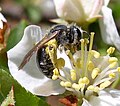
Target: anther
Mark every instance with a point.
(110, 50)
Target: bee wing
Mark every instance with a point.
(36, 47)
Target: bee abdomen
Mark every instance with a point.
(44, 63)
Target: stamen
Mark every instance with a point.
(118, 69)
(69, 54)
(51, 49)
(82, 56)
(110, 50)
(96, 89)
(90, 66)
(105, 84)
(112, 59)
(113, 64)
(95, 53)
(67, 84)
(76, 86)
(95, 73)
(112, 75)
(73, 74)
(60, 63)
(89, 53)
(85, 80)
(54, 77)
(55, 74)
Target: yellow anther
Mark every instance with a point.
(112, 65)
(95, 53)
(78, 63)
(112, 59)
(90, 66)
(73, 74)
(118, 69)
(112, 75)
(80, 81)
(82, 40)
(54, 77)
(96, 89)
(51, 49)
(81, 85)
(86, 41)
(110, 50)
(60, 63)
(105, 84)
(76, 86)
(55, 71)
(85, 80)
(52, 42)
(91, 88)
(95, 73)
(67, 84)
(62, 83)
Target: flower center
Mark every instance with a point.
(90, 72)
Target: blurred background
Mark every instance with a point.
(37, 11)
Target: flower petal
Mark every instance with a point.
(69, 10)
(106, 98)
(108, 28)
(30, 76)
(86, 103)
(2, 18)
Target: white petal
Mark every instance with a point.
(1, 24)
(86, 103)
(69, 10)
(108, 28)
(106, 2)
(106, 98)
(2, 18)
(30, 76)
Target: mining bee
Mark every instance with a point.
(67, 38)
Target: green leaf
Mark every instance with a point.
(3, 61)
(22, 97)
(16, 34)
(9, 101)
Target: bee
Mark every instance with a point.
(67, 37)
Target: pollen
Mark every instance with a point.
(118, 69)
(110, 50)
(105, 84)
(112, 59)
(96, 89)
(95, 73)
(113, 64)
(90, 66)
(54, 77)
(73, 74)
(95, 53)
(112, 75)
(76, 86)
(67, 84)
(60, 63)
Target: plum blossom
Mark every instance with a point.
(85, 74)
(78, 11)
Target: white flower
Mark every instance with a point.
(78, 11)
(85, 74)
(2, 19)
(84, 12)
